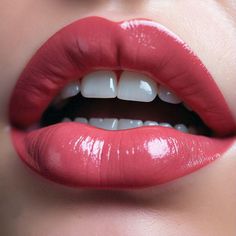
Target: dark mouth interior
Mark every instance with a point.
(157, 110)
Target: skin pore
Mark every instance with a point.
(203, 203)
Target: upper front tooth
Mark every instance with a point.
(70, 90)
(128, 124)
(108, 124)
(168, 96)
(136, 87)
(100, 84)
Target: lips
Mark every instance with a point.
(80, 155)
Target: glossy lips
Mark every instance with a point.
(80, 155)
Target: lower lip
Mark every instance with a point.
(79, 155)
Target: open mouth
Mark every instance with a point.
(117, 105)
(121, 100)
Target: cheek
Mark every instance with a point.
(213, 39)
(24, 26)
(22, 31)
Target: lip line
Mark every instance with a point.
(79, 155)
(229, 124)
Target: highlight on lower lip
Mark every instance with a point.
(79, 155)
(83, 156)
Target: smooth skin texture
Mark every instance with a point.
(203, 203)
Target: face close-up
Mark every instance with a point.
(117, 117)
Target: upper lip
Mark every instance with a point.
(59, 61)
(140, 45)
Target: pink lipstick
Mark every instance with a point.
(79, 155)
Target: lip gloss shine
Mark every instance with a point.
(79, 155)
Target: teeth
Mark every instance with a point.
(108, 124)
(70, 90)
(150, 123)
(66, 120)
(136, 87)
(167, 96)
(166, 125)
(128, 124)
(81, 120)
(182, 128)
(100, 84)
(132, 86)
(115, 124)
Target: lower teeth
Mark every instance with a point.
(122, 124)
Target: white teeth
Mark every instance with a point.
(150, 123)
(166, 125)
(128, 124)
(97, 122)
(167, 96)
(100, 84)
(66, 120)
(132, 86)
(136, 87)
(70, 90)
(182, 128)
(81, 120)
(108, 124)
(115, 124)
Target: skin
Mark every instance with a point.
(203, 203)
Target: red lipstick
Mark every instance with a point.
(83, 156)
